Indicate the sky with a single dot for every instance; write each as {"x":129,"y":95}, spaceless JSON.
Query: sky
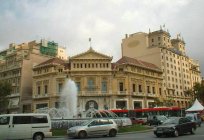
{"x":71,"y":23}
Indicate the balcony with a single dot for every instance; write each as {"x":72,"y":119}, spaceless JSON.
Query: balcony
{"x":14,"y":95}
{"x":151,"y":95}
{"x":122,"y":93}
{"x":137,"y":94}
{"x":93,"y":93}
{"x":13,"y":106}
{"x":40,"y":96}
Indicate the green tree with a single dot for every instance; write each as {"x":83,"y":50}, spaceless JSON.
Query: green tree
{"x":5,"y":91}
{"x":198,"y":90}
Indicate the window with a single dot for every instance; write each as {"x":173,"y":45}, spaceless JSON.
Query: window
{"x":121,"y":86}
{"x":78,"y":84}
{"x":4,"y":120}
{"x":39,"y":119}
{"x":152,"y":40}
{"x":38,"y":90}
{"x":60,"y":86}
{"x":153,"y":90}
{"x":133,"y":87}
{"x":104,"y":86}
{"x":57,"y":105}
{"x":140,"y":88}
{"x":148,"y":89}
{"x":22,"y":120}
{"x":160,"y":92}
{"x":44,"y":105}
{"x":90,"y":84}
{"x":45,"y":89}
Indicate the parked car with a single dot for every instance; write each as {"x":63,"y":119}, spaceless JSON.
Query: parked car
{"x":194,"y":117}
{"x":175,"y":126}
{"x":142,"y":121}
{"x":94,"y":127}
{"x":157,"y":120}
{"x":25,"y":126}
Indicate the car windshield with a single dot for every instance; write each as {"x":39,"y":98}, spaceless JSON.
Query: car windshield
{"x":172,"y":121}
{"x":163,"y":118}
{"x":189,"y":117}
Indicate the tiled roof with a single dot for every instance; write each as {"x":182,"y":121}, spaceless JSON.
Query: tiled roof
{"x":139,"y":63}
{"x":52,"y":61}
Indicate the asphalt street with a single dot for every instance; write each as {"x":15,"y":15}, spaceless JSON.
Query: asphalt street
{"x":199,"y":135}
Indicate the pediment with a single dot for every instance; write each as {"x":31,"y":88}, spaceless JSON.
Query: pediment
{"x":91,"y":54}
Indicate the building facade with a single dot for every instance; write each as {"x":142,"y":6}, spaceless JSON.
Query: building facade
{"x":179,"y":71}
{"x":125,"y":84}
{"x":16,"y":65}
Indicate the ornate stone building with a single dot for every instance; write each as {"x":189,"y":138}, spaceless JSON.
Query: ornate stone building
{"x":126,"y":84}
{"x":179,"y":71}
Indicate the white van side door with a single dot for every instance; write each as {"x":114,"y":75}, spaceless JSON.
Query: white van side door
{"x":4,"y":127}
{"x":20,"y":127}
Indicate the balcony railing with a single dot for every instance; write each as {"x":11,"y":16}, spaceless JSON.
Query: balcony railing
{"x":14,"y":95}
{"x":93,"y":93}
{"x":151,"y":94}
{"x":41,"y":96}
{"x":138,"y":94}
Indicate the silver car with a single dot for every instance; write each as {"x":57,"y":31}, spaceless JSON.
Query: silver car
{"x":94,"y":127}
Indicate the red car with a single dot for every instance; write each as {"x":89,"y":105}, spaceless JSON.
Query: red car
{"x":142,"y":121}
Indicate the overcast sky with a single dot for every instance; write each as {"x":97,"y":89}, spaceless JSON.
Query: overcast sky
{"x":71,"y":22}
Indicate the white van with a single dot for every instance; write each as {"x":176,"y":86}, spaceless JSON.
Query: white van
{"x":24,"y":126}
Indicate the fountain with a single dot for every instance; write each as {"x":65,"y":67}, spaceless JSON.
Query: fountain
{"x":66,"y":115}
{"x":68,"y":99}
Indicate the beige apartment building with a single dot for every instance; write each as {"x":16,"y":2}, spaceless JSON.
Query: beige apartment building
{"x":16,"y":65}
{"x":179,"y":71}
{"x":126,"y":84}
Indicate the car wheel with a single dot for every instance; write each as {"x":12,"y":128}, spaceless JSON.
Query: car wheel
{"x":82,"y":134}
{"x":38,"y":136}
{"x":176,"y":133}
{"x":158,"y":135}
{"x":112,"y":133}
{"x":193,"y":130}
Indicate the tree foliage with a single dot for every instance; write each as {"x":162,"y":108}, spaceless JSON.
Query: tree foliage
{"x":5,"y":91}
{"x":198,"y":91}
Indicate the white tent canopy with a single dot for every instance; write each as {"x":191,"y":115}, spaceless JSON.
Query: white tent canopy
{"x":196,"y":106}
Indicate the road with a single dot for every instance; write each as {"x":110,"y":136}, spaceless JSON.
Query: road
{"x":146,"y":136}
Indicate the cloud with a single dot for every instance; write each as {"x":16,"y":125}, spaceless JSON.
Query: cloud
{"x":71,"y":23}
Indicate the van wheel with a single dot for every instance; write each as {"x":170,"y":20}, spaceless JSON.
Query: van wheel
{"x":112,"y":133}
{"x":38,"y":136}
{"x":82,"y":134}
